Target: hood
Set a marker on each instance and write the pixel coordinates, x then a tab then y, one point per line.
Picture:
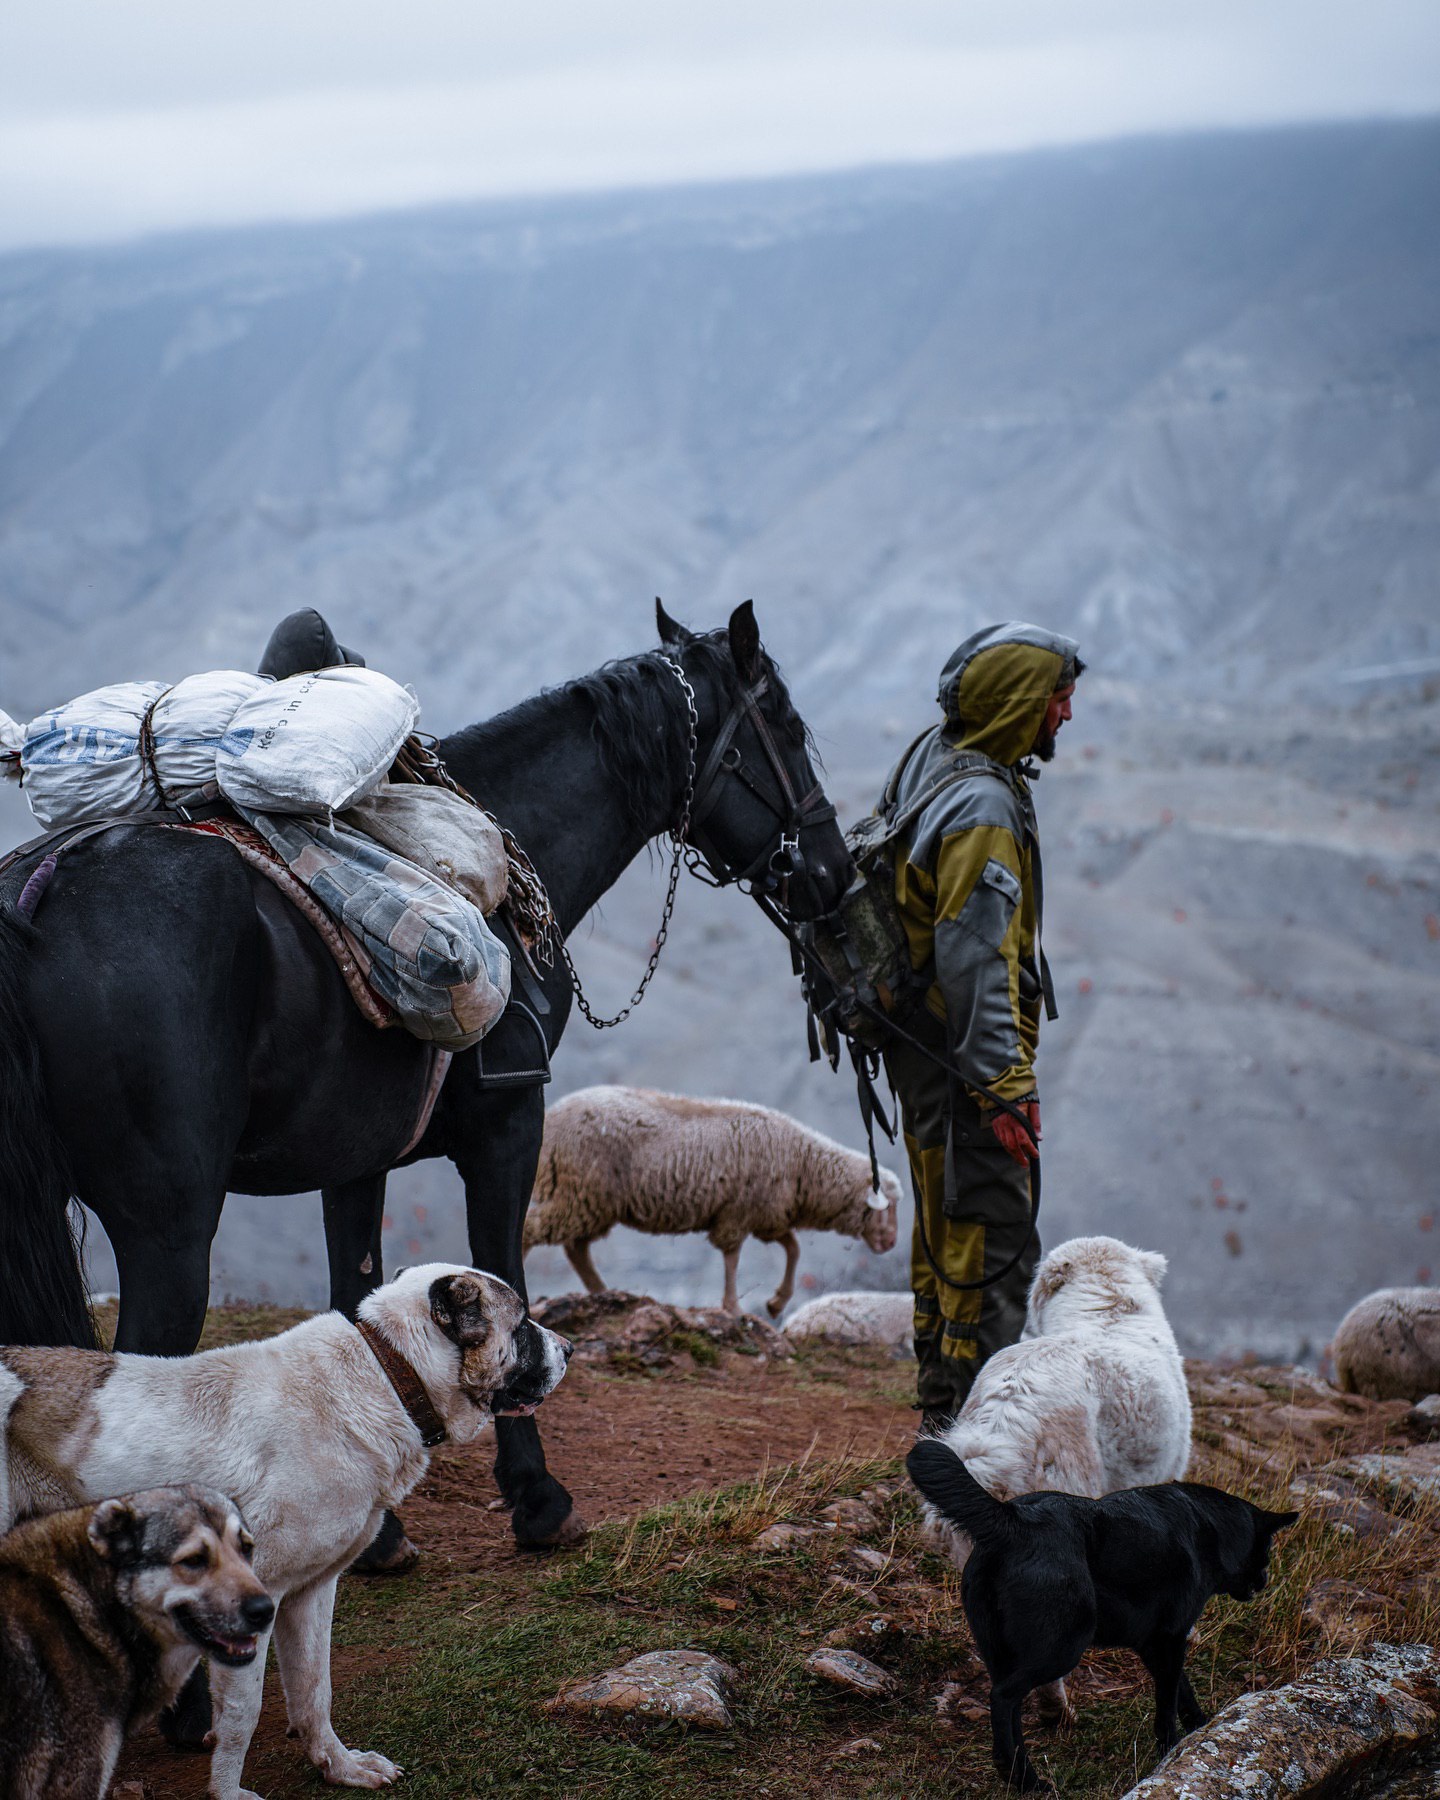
995	688
301	642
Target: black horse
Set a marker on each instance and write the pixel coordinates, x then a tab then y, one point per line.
171	1029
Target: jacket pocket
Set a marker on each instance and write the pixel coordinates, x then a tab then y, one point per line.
991	905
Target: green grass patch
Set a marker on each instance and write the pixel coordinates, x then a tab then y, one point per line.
456	1674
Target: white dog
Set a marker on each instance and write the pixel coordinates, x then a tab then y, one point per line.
1092	1398
313	1433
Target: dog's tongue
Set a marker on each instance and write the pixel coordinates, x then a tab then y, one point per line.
527	1411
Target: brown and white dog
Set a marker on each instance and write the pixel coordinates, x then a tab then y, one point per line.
314	1432
104	1612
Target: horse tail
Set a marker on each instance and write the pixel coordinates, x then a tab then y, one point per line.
955	1493
43	1299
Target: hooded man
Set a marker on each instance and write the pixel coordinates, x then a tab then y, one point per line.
969	889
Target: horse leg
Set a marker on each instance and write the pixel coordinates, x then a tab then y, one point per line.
164	1268
778	1301
494	1141
164	1293
578	1251
354	1211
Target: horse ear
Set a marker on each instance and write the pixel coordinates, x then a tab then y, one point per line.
671	630
745	641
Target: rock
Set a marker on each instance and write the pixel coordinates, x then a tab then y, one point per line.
1423	1417
862	1560
631	1328
882	1493
1397	1477
686	1686
1342	1723
783	1535
958	1706
850	1515
851	1671
1344	1613
857	1747
1339	1503
877	1628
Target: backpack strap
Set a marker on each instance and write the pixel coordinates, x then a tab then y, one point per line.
960	765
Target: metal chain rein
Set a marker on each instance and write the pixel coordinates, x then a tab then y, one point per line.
679	836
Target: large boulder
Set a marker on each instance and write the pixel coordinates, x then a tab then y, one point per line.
1344	1730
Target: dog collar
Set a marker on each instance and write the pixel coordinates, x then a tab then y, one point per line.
409	1388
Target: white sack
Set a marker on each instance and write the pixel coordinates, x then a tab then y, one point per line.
82	760
440	832
315	743
12	741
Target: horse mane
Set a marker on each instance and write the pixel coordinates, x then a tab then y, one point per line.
636	707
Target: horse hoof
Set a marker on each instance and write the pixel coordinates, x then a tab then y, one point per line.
399	1559
569	1534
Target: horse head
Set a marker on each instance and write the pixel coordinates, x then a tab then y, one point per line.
757	810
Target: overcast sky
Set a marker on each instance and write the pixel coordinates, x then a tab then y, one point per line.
119	117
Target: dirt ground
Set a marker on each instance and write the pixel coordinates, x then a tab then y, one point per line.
659	1405
620	1443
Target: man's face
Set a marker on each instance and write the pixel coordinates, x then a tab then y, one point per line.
1056	715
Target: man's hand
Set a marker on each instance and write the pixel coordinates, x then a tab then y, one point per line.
1012	1135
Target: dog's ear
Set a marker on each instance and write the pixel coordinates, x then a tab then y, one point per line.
672	633
1049	1280
1153	1265
457	1305
116	1532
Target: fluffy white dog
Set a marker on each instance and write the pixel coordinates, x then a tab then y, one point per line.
1090	1400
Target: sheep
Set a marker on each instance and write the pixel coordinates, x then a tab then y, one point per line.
1388	1345
868	1317
664	1163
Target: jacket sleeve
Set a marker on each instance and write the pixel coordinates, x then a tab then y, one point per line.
977	957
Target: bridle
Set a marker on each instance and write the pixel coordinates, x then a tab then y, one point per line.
769	873
792	811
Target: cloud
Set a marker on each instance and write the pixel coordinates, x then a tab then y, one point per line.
657	107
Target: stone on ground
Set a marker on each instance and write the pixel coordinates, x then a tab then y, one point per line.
850	1515
1344	1729
682	1685
851	1671
1423	1417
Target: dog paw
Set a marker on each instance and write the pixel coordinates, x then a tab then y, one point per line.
360	1768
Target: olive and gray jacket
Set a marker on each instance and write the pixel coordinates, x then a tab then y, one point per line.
965	877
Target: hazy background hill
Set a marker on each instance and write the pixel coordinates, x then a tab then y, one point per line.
1179	396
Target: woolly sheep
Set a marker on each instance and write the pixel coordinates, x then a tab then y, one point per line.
664	1163
1388	1346
863	1318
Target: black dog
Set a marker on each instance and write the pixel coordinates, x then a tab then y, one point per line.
1052	1574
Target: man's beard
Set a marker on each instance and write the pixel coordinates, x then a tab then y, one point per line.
1044	748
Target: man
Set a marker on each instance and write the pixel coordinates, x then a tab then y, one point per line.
969	890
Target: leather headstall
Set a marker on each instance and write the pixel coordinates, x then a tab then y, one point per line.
791	810
409	1388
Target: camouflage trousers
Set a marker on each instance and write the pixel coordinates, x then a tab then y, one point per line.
975	1202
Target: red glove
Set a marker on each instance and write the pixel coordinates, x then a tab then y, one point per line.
1012	1135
